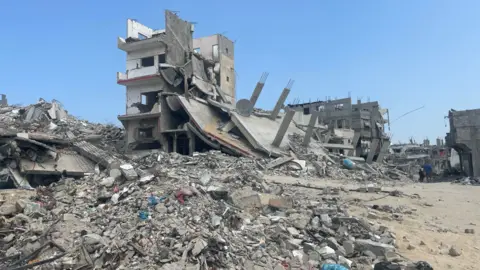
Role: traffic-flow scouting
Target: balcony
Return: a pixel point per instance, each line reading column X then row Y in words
column 145, row 75
column 145, row 44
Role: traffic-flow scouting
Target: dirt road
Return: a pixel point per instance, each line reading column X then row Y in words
column 434, row 221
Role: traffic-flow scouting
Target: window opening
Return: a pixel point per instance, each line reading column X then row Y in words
column 145, row 133
column 147, row 61
column 161, row 59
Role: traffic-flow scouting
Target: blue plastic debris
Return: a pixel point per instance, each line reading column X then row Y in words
column 152, row 200
column 328, row 266
column 347, row 163
column 143, row 215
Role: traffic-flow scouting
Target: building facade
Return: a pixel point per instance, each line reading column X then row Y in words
column 164, row 62
column 464, row 138
column 367, row 120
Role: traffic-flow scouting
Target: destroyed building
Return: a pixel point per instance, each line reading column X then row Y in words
column 410, row 157
column 360, row 126
column 464, row 138
column 169, row 60
column 181, row 95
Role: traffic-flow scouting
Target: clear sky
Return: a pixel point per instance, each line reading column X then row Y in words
column 405, row 54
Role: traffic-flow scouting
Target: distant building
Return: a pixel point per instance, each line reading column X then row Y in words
column 169, row 61
column 366, row 119
column 3, row 101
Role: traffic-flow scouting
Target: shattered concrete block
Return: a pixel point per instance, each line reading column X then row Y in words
column 116, row 174
column 299, row 221
column 281, row 202
column 376, row 248
column 94, row 153
column 246, row 198
column 128, row 172
column 8, row 209
column 92, row 239
column 349, row 247
column 200, row 245
column 205, row 179
column 278, row 162
column 326, row 251
column 107, row 181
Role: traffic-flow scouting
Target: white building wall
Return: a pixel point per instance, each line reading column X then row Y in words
column 134, row 94
column 134, row 58
column 135, row 28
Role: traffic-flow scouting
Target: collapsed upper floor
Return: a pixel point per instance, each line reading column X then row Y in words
column 149, row 51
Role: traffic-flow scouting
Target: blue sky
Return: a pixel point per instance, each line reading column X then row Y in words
column 405, row 54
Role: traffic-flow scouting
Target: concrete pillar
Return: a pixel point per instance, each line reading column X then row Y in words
column 258, row 88
column 311, row 126
column 383, row 150
column 174, row 143
column 373, row 150
column 356, row 137
column 191, row 142
column 281, row 100
column 283, row 127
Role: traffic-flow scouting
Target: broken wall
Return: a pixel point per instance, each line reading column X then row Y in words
column 132, row 130
column 227, row 77
column 204, row 46
column 135, row 28
column 178, row 38
column 226, row 47
column 465, row 127
column 134, row 94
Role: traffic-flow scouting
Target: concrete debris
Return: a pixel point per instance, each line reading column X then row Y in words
column 198, row 197
column 208, row 210
column 33, row 153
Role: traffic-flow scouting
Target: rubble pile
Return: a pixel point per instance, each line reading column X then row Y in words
column 40, row 142
column 474, row 181
column 323, row 163
column 124, row 218
column 51, row 118
column 94, row 208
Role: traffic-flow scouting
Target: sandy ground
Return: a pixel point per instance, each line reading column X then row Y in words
column 438, row 219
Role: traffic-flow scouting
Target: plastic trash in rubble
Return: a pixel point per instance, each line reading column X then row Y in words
column 347, row 163
column 143, row 215
column 152, row 200
column 329, row 266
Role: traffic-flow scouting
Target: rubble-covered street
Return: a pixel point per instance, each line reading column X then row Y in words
column 196, row 173
column 156, row 210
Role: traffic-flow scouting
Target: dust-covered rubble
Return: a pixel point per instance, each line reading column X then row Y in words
column 202, row 212
column 157, row 210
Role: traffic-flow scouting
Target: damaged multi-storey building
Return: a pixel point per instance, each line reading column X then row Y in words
column 350, row 129
column 169, row 60
column 180, row 95
column 464, row 138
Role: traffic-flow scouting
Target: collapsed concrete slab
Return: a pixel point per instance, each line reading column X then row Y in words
column 68, row 163
column 94, row 153
column 261, row 132
column 206, row 120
